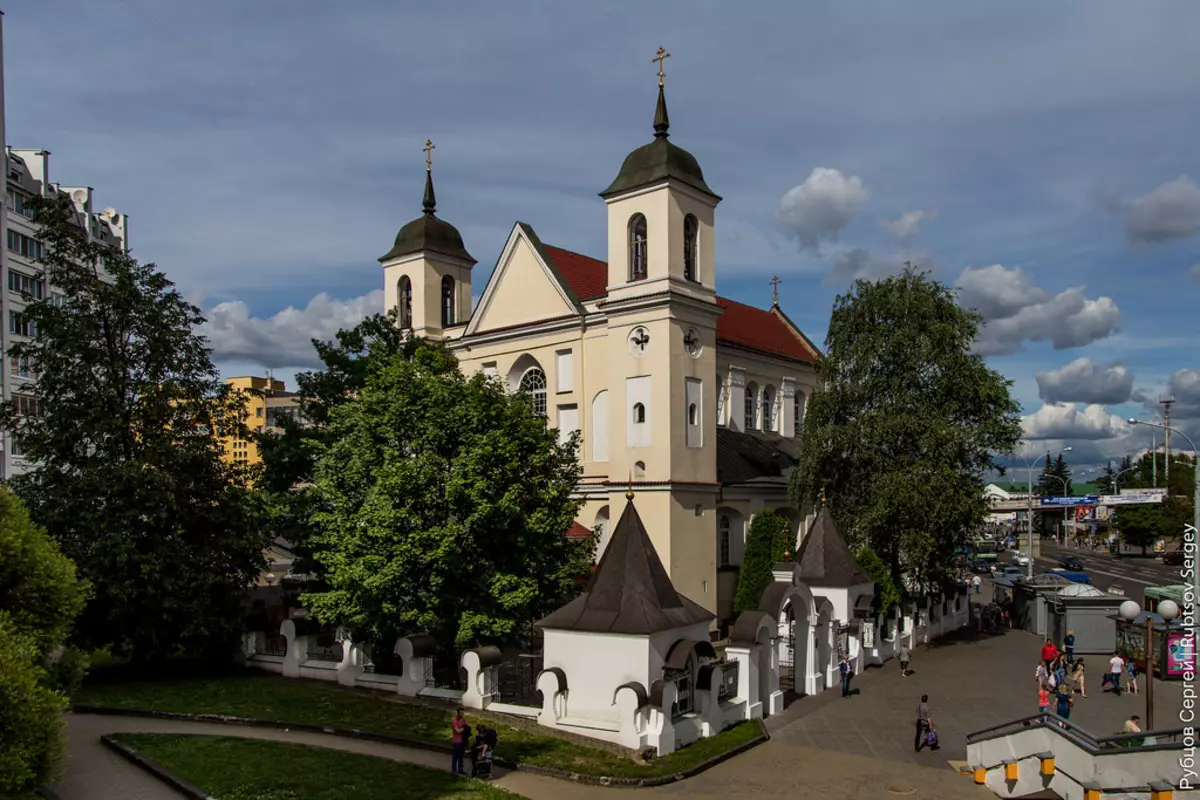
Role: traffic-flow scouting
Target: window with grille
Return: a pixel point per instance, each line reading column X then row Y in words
column 751, row 400
column 690, row 230
column 24, row 245
column 533, row 383
column 768, row 408
column 447, row 301
column 405, row 302
column 27, row 285
column 637, row 248
column 723, row 537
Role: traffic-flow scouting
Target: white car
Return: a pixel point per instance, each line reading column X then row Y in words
column 1021, row 560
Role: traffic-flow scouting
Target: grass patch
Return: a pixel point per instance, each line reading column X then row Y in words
column 253, row 769
column 267, row 697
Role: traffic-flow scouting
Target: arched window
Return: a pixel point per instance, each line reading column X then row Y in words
column 639, row 413
column 637, row 248
column 639, row 469
column 721, row 402
column 693, row 415
column 798, row 412
column 533, row 383
column 723, row 537
column 404, row 300
column 691, row 229
column 447, row 301
column 751, row 401
column 768, row 408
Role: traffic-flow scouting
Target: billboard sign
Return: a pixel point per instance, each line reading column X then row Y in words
column 1155, row 496
column 1142, row 491
column 1181, row 655
column 1087, row 500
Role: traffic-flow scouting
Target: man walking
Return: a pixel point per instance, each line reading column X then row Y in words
column 1116, row 666
column 924, row 723
column 1049, row 653
column 905, row 656
column 975, row 582
column 1069, row 646
column 847, row 672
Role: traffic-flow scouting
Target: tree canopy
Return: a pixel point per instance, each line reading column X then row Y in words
column 1054, row 481
column 128, row 476
column 442, row 504
column 903, row 424
column 766, row 545
column 1143, row 525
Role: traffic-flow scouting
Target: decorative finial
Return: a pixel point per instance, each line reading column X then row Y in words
column 629, row 491
column 660, row 56
column 428, row 150
column 775, row 290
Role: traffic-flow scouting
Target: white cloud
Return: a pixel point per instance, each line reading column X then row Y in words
column 1083, row 381
column 816, row 210
column 1015, row 310
column 285, row 339
column 1067, row 422
column 907, row 225
column 859, row 263
column 1170, row 211
column 1184, row 386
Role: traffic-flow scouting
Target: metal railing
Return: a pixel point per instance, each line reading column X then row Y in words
column 1167, row 739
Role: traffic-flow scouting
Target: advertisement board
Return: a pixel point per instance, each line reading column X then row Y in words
column 1181, row 655
column 1087, row 500
column 1154, row 496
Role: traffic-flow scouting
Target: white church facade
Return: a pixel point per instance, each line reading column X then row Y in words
column 696, row 399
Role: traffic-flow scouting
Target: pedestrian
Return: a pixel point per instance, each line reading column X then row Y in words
column 975, row 582
column 1077, row 679
column 1069, row 646
column 460, row 732
column 1060, row 671
column 924, row 723
column 1133, row 676
column 1042, row 676
column 1116, row 666
column 1049, row 653
column 847, row 672
column 905, row 656
column 1043, row 699
column 1064, row 701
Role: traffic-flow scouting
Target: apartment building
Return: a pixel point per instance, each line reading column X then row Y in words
column 26, row 176
column 266, row 400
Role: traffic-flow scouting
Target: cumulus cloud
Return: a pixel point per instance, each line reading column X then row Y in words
column 907, row 225
column 1083, row 381
column 818, row 209
column 1068, row 421
column 1015, row 309
column 285, row 339
column 859, row 263
column 1170, row 211
column 1184, row 386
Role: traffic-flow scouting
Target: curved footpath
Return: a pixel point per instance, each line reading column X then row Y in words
column 773, row 769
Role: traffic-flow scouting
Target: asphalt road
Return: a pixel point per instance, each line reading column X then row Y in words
column 1133, row 574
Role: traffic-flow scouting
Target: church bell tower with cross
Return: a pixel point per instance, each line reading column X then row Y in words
column 662, row 314
column 427, row 273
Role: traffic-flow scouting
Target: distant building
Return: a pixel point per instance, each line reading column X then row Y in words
column 267, row 400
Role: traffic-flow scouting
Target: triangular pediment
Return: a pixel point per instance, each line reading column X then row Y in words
column 524, row 288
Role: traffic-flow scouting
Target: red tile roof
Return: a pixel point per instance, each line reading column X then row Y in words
column 741, row 325
column 577, row 531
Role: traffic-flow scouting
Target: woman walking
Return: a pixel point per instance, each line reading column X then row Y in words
column 1133, row 676
column 1077, row 679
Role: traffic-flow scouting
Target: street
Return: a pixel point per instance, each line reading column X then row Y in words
column 1132, row 574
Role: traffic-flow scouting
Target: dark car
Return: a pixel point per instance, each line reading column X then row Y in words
column 980, row 565
column 1173, row 558
column 1071, row 563
column 1000, row 548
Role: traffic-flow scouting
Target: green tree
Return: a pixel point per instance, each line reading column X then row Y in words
column 129, row 478
column 903, row 424
column 766, row 545
column 887, row 594
column 1144, row 524
column 39, row 598
column 443, row 504
column 1054, row 481
column 1108, row 482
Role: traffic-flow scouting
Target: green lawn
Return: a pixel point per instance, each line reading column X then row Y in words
column 268, row 697
column 252, row 769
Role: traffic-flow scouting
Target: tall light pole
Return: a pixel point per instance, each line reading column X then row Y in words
column 1195, row 496
column 1029, row 505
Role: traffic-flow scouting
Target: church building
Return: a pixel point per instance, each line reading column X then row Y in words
column 695, row 399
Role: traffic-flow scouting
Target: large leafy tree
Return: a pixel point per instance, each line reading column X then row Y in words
column 40, row 595
column 1143, row 525
column 903, row 424
column 442, row 506
column 766, row 546
column 129, row 478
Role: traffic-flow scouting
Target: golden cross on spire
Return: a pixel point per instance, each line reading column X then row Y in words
column 629, row 492
column 659, row 57
column 775, row 289
column 428, row 150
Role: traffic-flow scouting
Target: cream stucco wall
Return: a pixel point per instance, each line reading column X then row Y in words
column 526, row 293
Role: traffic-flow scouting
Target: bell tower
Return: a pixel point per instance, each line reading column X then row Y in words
column 427, row 273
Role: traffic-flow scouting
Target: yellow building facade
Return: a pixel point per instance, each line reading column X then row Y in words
column 695, row 399
column 263, row 397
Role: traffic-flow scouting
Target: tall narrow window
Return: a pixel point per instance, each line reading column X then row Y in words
column 404, row 300
column 447, row 301
column 693, row 414
column 639, row 413
column 691, row 229
column 637, row 248
column 533, row 383
column 798, row 416
column 723, row 535
column 768, row 408
column 751, row 400
column 721, row 402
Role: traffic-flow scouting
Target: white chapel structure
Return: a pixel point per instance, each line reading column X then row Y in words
column 698, row 398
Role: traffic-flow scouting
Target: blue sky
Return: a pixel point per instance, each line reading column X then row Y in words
column 267, row 152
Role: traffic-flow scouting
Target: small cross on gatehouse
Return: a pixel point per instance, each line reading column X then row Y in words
column 428, row 150
column 775, row 290
column 659, row 57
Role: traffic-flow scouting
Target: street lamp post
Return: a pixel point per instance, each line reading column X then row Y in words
column 1195, row 497
column 1129, row 611
column 1029, row 506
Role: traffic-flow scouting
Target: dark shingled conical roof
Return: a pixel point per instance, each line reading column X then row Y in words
column 427, row 233
column 629, row 592
column 825, row 558
column 659, row 160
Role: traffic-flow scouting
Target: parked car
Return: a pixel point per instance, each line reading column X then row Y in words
column 1008, row 572
column 980, row 566
column 1021, row 559
column 1173, row 558
column 1071, row 562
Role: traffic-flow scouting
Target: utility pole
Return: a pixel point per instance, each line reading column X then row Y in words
column 1166, row 400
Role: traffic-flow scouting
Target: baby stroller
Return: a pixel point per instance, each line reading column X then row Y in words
column 482, row 753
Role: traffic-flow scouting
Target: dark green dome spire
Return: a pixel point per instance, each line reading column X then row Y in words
column 427, row 233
